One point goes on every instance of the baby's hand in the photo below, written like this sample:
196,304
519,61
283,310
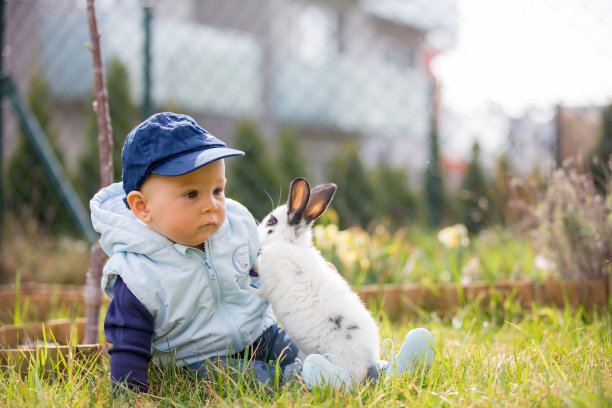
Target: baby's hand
254,285
255,269
256,290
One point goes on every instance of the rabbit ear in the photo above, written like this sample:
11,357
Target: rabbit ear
320,197
299,193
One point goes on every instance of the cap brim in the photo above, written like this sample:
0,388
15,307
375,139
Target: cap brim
191,161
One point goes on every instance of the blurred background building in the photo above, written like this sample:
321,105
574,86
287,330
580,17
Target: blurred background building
384,97
332,69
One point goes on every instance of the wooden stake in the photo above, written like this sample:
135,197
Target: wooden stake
93,295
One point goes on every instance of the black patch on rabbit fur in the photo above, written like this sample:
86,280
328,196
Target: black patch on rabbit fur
337,321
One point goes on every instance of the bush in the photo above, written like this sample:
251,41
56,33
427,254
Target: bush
124,116
30,193
575,225
476,211
435,196
291,162
603,152
354,199
254,176
393,197
501,190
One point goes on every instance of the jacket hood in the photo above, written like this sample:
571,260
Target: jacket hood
121,230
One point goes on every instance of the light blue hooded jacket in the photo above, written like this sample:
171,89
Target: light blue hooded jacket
198,299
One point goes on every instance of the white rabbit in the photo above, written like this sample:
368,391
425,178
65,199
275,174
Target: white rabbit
312,301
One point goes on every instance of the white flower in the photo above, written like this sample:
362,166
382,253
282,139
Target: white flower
542,262
469,272
452,237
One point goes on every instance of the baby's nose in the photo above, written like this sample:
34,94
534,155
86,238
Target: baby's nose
209,204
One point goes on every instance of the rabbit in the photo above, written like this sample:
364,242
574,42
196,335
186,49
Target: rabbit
311,299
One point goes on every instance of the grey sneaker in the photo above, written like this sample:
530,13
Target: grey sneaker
319,371
416,352
292,371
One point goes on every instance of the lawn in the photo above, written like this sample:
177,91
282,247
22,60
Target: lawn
504,357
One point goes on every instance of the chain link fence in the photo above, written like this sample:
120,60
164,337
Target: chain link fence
337,91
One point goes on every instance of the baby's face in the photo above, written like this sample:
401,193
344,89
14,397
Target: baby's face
187,209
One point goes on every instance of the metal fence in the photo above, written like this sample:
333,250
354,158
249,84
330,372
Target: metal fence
336,90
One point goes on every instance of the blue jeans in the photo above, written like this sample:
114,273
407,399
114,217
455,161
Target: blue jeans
275,347
261,358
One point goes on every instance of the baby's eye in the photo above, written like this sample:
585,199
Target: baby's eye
218,192
192,194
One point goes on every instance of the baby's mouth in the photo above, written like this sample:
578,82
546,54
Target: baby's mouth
211,224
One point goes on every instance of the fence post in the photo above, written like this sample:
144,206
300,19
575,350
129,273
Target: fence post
1,134
93,294
146,99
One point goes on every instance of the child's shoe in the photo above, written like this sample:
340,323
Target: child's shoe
319,371
416,352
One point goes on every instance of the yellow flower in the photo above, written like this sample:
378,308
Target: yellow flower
330,232
318,233
452,237
344,238
364,263
348,257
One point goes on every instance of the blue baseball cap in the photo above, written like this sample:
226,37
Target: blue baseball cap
168,144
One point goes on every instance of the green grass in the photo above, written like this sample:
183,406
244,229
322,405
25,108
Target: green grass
505,357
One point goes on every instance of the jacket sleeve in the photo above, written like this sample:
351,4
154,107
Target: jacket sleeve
128,325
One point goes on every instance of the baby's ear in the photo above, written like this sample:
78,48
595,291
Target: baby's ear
138,204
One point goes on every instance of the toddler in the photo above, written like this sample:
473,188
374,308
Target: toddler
180,253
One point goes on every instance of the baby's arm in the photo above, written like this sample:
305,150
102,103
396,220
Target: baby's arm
129,327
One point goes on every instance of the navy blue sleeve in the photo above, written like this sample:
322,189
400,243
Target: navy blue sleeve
128,325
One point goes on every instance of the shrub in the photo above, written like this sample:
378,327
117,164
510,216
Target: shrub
251,177
291,162
435,196
124,116
575,226
475,206
30,193
354,199
603,152
502,189
393,197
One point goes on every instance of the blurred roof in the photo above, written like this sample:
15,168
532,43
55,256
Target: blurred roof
439,18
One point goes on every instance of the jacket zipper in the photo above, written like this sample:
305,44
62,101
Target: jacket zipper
217,291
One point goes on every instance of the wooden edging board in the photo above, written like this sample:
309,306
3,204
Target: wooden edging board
35,301
61,331
404,299
395,299
47,355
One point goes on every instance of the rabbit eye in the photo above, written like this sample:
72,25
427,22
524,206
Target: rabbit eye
272,221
